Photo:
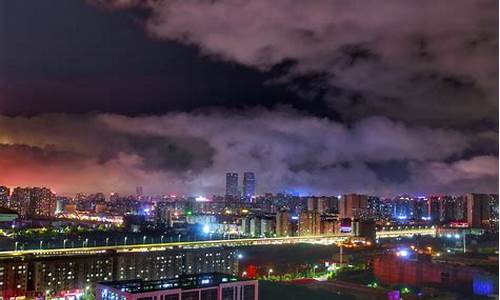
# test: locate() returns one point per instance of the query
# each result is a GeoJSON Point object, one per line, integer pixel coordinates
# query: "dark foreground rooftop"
{"type": "Point", "coordinates": [183, 282]}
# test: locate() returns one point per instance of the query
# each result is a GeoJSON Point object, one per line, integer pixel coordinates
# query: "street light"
{"type": "Point", "coordinates": [15, 246]}
{"type": "Point", "coordinates": [64, 243]}
{"type": "Point", "coordinates": [269, 272]}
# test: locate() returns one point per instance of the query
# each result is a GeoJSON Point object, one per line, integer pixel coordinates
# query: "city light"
{"type": "Point", "coordinates": [201, 199]}
{"type": "Point", "coordinates": [197, 145]}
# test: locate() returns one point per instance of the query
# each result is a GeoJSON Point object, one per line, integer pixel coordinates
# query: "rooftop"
{"type": "Point", "coordinates": [183, 282]}
{"type": "Point", "coordinates": [4, 210]}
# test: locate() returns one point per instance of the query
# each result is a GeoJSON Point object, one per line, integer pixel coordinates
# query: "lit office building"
{"type": "Point", "coordinates": [232, 184]}
{"type": "Point", "coordinates": [208, 286]}
{"type": "Point", "coordinates": [248, 184]}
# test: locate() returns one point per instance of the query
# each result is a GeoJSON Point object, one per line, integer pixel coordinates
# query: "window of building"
{"type": "Point", "coordinates": [210, 294]}
{"type": "Point", "coordinates": [228, 293]}
{"type": "Point", "coordinates": [190, 295]}
{"type": "Point", "coordinates": [249, 292]}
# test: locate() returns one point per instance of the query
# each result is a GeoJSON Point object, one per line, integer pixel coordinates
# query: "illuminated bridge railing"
{"type": "Point", "coordinates": [326, 240]}
{"type": "Point", "coordinates": [406, 232]}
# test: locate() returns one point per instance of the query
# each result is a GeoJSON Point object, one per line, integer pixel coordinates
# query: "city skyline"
{"type": "Point", "coordinates": [108, 95]}
{"type": "Point", "coordinates": [249, 149]}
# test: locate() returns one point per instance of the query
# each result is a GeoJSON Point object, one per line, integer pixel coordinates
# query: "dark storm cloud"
{"type": "Point", "coordinates": [420, 61]}
{"type": "Point", "coordinates": [410, 90]}
{"type": "Point", "coordinates": [185, 152]}
{"type": "Point", "coordinates": [66, 56]}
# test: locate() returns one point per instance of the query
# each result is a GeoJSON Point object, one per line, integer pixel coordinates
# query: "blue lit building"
{"type": "Point", "coordinates": [248, 184]}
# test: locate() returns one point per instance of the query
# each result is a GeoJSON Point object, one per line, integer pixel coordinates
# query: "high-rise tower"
{"type": "Point", "coordinates": [232, 184]}
{"type": "Point", "coordinates": [248, 184]}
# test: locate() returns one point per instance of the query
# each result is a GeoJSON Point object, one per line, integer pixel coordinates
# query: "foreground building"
{"type": "Point", "coordinates": [208, 286]}
{"type": "Point", "coordinates": [33, 277]}
{"type": "Point", "coordinates": [423, 272]}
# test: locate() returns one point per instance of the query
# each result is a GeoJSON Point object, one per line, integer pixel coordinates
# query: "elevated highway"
{"type": "Point", "coordinates": [325, 240]}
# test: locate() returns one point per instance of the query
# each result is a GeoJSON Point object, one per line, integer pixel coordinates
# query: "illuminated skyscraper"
{"type": "Point", "coordinates": [248, 184]}
{"type": "Point", "coordinates": [232, 184]}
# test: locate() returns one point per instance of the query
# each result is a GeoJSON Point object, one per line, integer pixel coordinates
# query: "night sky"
{"type": "Point", "coordinates": [316, 97]}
